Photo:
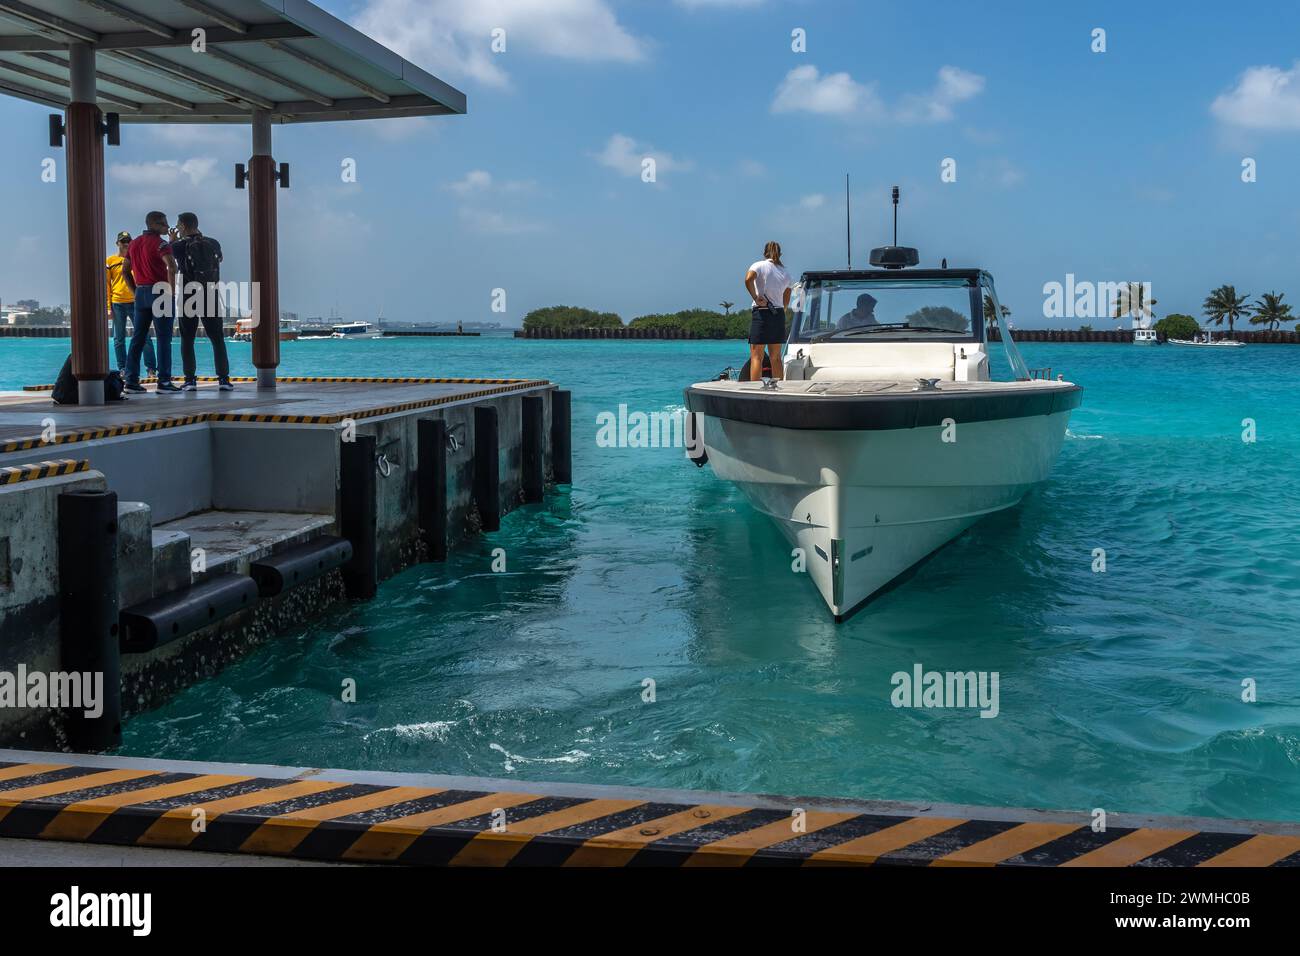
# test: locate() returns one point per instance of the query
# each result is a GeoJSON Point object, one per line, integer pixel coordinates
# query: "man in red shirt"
{"type": "Point", "coordinates": [154, 270]}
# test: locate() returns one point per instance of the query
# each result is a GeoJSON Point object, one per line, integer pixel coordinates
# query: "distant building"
{"type": "Point", "coordinates": [15, 316]}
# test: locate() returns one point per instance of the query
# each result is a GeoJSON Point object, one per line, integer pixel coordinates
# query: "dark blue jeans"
{"type": "Point", "coordinates": [121, 312]}
{"type": "Point", "coordinates": [145, 297]}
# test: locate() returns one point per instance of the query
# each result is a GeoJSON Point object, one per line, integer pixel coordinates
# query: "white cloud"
{"type": "Point", "coordinates": [1265, 97]}
{"type": "Point", "coordinates": [953, 86]}
{"type": "Point", "coordinates": [481, 181]}
{"type": "Point", "coordinates": [815, 201]}
{"type": "Point", "coordinates": [624, 155]}
{"type": "Point", "coordinates": [473, 181]}
{"type": "Point", "coordinates": [453, 38]}
{"type": "Point", "coordinates": [752, 168]}
{"type": "Point", "coordinates": [494, 223]}
{"type": "Point", "coordinates": [804, 89]}
{"type": "Point", "coordinates": [163, 172]}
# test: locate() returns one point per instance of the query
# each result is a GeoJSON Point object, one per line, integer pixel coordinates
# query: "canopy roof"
{"type": "Point", "coordinates": [288, 57]}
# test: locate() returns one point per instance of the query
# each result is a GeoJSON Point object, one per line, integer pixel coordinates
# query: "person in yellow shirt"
{"type": "Point", "coordinates": [121, 304]}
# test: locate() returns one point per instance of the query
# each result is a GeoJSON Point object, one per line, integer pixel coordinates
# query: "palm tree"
{"type": "Point", "coordinates": [1132, 298]}
{"type": "Point", "coordinates": [726, 307]}
{"type": "Point", "coordinates": [1224, 303]}
{"type": "Point", "coordinates": [1270, 310]}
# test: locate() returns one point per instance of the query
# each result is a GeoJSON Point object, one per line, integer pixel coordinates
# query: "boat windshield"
{"type": "Point", "coordinates": [910, 310]}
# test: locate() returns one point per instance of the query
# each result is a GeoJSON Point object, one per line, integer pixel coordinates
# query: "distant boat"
{"type": "Point", "coordinates": [1144, 337]}
{"type": "Point", "coordinates": [354, 330]}
{"type": "Point", "coordinates": [1206, 341]}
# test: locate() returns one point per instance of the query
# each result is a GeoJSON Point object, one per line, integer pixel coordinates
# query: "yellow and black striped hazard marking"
{"type": "Point", "coordinates": [308, 379]}
{"type": "Point", "coordinates": [411, 381]}
{"type": "Point", "coordinates": [41, 469]}
{"type": "Point", "coordinates": [108, 431]}
{"type": "Point", "coordinates": [320, 819]}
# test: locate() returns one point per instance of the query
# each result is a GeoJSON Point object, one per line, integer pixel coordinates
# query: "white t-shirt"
{"type": "Point", "coordinates": [770, 280]}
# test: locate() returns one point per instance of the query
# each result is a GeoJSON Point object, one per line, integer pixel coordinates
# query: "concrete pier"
{"type": "Point", "coordinates": [212, 485]}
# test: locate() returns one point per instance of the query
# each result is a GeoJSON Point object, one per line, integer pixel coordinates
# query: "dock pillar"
{"type": "Point", "coordinates": [263, 251]}
{"type": "Point", "coordinates": [562, 436]}
{"type": "Point", "coordinates": [88, 611]}
{"type": "Point", "coordinates": [359, 516]}
{"type": "Point", "coordinates": [487, 467]}
{"type": "Point", "coordinates": [533, 478]}
{"type": "Point", "coordinates": [84, 136]}
{"type": "Point", "coordinates": [431, 475]}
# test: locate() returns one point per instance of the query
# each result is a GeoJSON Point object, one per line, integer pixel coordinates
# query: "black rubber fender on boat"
{"type": "Point", "coordinates": [171, 616]}
{"type": "Point", "coordinates": [277, 573]}
{"type": "Point", "coordinates": [693, 440]}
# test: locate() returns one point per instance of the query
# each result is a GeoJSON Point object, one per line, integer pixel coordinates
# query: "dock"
{"type": "Point", "coordinates": [157, 539]}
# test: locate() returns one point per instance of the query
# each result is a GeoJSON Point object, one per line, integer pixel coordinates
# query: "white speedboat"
{"type": "Point", "coordinates": [1144, 337]}
{"type": "Point", "coordinates": [1206, 341]}
{"type": "Point", "coordinates": [887, 438]}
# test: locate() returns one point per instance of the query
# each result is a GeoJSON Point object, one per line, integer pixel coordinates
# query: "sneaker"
{"type": "Point", "coordinates": [190, 385]}
{"type": "Point", "coordinates": [226, 385]}
{"type": "Point", "coordinates": [165, 387]}
{"type": "Point", "coordinates": [135, 387]}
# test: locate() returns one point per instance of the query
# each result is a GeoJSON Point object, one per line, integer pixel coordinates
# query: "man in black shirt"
{"type": "Point", "coordinates": [198, 260]}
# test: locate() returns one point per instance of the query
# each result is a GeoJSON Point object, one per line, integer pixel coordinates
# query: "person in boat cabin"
{"type": "Point", "coordinates": [864, 313]}
{"type": "Point", "coordinates": [768, 285]}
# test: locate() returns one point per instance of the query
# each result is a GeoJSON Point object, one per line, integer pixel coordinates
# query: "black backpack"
{"type": "Point", "coordinates": [202, 260]}
{"type": "Point", "coordinates": [65, 386]}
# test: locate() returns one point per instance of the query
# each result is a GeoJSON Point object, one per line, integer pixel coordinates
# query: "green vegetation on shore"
{"type": "Point", "coordinates": [697, 323]}
{"type": "Point", "coordinates": [1176, 325]}
{"type": "Point", "coordinates": [571, 317]}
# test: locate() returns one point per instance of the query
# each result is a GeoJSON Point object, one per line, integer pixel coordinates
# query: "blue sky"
{"type": "Point", "coordinates": [1114, 166]}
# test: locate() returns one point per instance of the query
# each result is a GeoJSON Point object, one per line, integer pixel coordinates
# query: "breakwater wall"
{"type": "Point", "coordinates": [1276, 337]}
{"type": "Point", "coordinates": [35, 332]}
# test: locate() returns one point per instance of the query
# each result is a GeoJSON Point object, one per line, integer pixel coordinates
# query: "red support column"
{"type": "Point", "coordinates": [84, 143]}
{"type": "Point", "coordinates": [263, 255]}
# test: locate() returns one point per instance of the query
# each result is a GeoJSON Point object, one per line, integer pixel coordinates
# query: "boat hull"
{"type": "Point", "coordinates": [866, 506]}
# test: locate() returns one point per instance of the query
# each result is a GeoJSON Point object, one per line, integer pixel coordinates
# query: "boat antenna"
{"type": "Point", "coordinates": [895, 215]}
{"type": "Point", "coordinates": [848, 221]}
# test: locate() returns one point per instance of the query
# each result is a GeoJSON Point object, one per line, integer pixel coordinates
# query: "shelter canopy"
{"type": "Point", "coordinates": [288, 58]}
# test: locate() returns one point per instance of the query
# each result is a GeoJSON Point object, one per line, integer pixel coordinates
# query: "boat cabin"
{"type": "Point", "coordinates": [895, 323]}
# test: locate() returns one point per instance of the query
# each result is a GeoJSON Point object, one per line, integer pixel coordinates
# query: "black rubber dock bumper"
{"type": "Point", "coordinates": [562, 436]}
{"type": "Point", "coordinates": [431, 476]}
{"type": "Point", "coordinates": [474, 822]}
{"type": "Point", "coordinates": [169, 617]}
{"type": "Point", "coordinates": [297, 565]}
{"type": "Point", "coordinates": [88, 610]}
{"type": "Point", "coordinates": [487, 467]}
{"type": "Point", "coordinates": [359, 516]}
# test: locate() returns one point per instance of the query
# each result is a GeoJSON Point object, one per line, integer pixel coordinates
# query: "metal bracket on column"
{"type": "Point", "coordinates": [111, 128]}
{"type": "Point", "coordinates": [57, 130]}
{"type": "Point", "coordinates": [241, 175]}
{"type": "Point", "coordinates": [283, 176]}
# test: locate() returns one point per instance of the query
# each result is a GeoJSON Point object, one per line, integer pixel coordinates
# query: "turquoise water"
{"type": "Point", "coordinates": [1119, 690]}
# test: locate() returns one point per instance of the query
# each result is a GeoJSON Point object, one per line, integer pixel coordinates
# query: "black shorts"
{"type": "Point", "coordinates": [767, 327]}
